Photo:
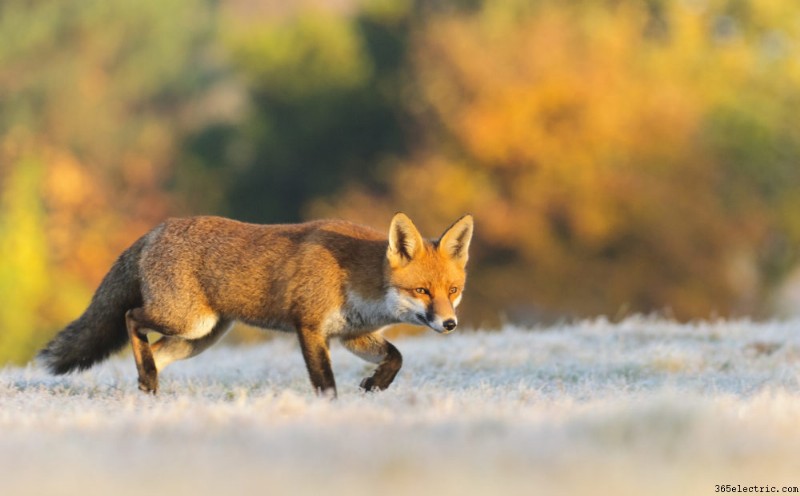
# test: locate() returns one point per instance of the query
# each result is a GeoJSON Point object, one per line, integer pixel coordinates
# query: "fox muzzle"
{"type": "Point", "coordinates": [443, 327]}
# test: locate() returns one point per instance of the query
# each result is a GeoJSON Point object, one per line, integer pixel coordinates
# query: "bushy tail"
{"type": "Point", "coordinates": [100, 331]}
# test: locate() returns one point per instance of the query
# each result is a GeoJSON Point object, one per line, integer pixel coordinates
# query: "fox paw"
{"type": "Point", "coordinates": [368, 385]}
{"type": "Point", "coordinates": [148, 386]}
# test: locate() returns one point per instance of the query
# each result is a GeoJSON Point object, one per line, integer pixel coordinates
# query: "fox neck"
{"type": "Point", "coordinates": [369, 313]}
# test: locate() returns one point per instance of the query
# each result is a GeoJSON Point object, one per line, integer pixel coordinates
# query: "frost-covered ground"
{"type": "Point", "coordinates": [641, 407]}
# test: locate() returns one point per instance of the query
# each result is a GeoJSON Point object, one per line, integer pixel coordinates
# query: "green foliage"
{"type": "Point", "coordinates": [305, 57]}
{"type": "Point", "coordinates": [96, 76]}
{"type": "Point", "coordinates": [325, 108]}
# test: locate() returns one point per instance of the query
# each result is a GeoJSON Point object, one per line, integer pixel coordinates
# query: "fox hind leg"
{"type": "Point", "coordinates": [171, 348]}
{"type": "Point", "coordinates": [142, 353]}
{"type": "Point", "coordinates": [161, 320]}
{"type": "Point", "coordinates": [376, 349]}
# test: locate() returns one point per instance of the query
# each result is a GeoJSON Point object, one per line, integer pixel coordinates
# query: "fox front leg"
{"type": "Point", "coordinates": [318, 361]}
{"type": "Point", "coordinates": [376, 349]}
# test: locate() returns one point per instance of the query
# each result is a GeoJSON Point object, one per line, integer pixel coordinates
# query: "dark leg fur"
{"type": "Point", "coordinates": [374, 348]}
{"type": "Point", "coordinates": [318, 362]}
{"type": "Point", "coordinates": [145, 364]}
{"type": "Point", "coordinates": [386, 371]}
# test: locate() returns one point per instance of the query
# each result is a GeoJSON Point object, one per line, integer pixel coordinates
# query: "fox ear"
{"type": "Point", "coordinates": [454, 243]}
{"type": "Point", "coordinates": [405, 240]}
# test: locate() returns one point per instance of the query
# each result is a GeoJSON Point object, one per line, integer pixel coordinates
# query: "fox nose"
{"type": "Point", "coordinates": [449, 324]}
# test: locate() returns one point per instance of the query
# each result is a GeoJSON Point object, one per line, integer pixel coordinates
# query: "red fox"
{"type": "Point", "coordinates": [189, 278]}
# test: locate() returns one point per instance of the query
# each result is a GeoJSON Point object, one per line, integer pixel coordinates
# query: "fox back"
{"type": "Point", "coordinates": [190, 278]}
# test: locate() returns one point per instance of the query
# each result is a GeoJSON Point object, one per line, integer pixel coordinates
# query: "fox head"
{"type": "Point", "coordinates": [426, 278]}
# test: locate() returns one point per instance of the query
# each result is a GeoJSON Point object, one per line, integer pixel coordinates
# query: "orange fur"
{"type": "Point", "coordinates": [189, 278]}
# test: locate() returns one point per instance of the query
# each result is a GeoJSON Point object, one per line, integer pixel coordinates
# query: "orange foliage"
{"type": "Point", "coordinates": [86, 227]}
{"type": "Point", "coordinates": [577, 136]}
{"type": "Point", "coordinates": [88, 131]}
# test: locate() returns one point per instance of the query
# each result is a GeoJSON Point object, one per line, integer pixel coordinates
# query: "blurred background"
{"type": "Point", "coordinates": [619, 156]}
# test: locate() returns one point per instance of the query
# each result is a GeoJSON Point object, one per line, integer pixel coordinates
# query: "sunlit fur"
{"type": "Point", "coordinates": [189, 279]}
{"type": "Point", "coordinates": [426, 283]}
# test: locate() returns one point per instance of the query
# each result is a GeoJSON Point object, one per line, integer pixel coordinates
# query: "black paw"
{"type": "Point", "coordinates": [150, 387]}
{"type": "Point", "coordinates": [368, 385]}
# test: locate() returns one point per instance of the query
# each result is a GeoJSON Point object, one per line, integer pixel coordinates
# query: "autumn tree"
{"type": "Point", "coordinates": [619, 156]}
{"type": "Point", "coordinates": [95, 95]}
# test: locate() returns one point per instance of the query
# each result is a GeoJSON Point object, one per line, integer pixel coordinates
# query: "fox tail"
{"type": "Point", "coordinates": [101, 330]}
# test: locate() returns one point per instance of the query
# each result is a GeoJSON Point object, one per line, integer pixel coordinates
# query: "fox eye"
{"type": "Point", "coordinates": [422, 291]}
{"type": "Point", "coordinates": [453, 290]}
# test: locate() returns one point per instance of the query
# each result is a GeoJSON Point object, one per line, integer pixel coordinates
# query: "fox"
{"type": "Point", "coordinates": [189, 279]}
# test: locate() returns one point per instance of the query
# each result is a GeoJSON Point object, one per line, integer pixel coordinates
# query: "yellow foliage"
{"type": "Point", "coordinates": [24, 275]}
{"type": "Point", "coordinates": [578, 136]}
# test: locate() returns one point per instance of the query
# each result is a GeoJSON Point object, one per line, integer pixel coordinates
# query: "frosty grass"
{"type": "Point", "coordinates": [640, 407]}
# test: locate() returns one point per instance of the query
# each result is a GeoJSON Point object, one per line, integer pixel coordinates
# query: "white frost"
{"type": "Point", "coordinates": [640, 407]}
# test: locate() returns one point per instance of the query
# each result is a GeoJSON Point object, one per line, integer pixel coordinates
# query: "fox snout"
{"type": "Point", "coordinates": [439, 324]}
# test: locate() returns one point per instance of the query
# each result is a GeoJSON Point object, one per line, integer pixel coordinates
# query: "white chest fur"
{"type": "Point", "coordinates": [359, 315]}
